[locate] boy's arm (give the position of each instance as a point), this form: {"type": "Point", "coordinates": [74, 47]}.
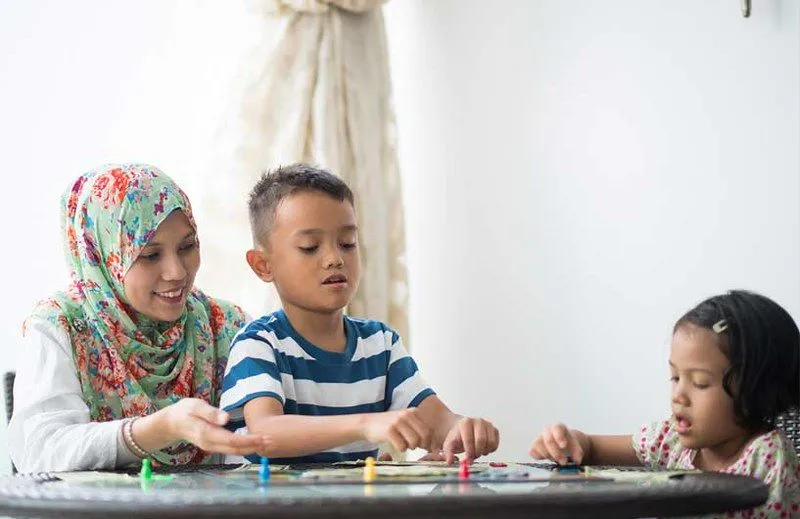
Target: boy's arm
{"type": "Point", "coordinates": [288, 436]}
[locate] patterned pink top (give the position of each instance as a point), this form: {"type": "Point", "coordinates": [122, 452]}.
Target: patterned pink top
{"type": "Point", "coordinates": [769, 457]}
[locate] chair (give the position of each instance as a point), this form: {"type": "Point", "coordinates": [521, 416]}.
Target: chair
{"type": "Point", "coordinates": [8, 394]}
{"type": "Point", "coordinates": [8, 385]}
{"type": "Point", "coordinates": [789, 423]}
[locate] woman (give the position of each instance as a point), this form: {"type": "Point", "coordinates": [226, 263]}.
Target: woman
{"type": "Point", "coordinates": [128, 361]}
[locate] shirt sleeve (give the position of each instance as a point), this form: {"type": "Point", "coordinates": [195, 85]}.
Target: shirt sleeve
{"type": "Point", "coordinates": [654, 443]}
{"type": "Point", "coordinates": [252, 372]}
{"type": "Point", "coordinates": [405, 386]}
{"type": "Point", "coordinates": [771, 460]}
{"type": "Point", "coordinates": [50, 430]}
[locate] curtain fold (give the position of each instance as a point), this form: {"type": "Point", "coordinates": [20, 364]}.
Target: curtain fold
{"type": "Point", "coordinates": [317, 89]}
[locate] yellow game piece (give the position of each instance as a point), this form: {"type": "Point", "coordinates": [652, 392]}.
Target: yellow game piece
{"type": "Point", "coordinates": [369, 470]}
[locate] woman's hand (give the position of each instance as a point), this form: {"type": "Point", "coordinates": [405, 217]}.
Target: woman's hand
{"type": "Point", "coordinates": [196, 421]}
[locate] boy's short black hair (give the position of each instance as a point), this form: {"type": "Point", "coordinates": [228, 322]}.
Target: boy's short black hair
{"type": "Point", "coordinates": [762, 344]}
{"type": "Point", "coordinates": [284, 181]}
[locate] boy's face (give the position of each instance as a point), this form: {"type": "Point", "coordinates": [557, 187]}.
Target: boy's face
{"type": "Point", "coordinates": [702, 408]}
{"type": "Point", "coordinates": [311, 253]}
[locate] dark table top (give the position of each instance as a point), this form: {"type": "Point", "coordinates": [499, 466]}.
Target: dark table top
{"type": "Point", "coordinates": [517, 491]}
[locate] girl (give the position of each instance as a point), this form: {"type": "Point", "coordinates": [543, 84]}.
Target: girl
{"type": "Point", "coordinates": [735, 366]}
{"type": "Point", "coordinates": [128, 361]}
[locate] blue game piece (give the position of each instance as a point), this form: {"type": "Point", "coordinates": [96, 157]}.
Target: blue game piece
{"type": "Point", "coordinates": [570, 467]}
{"type": "Point", "coordinates": [264, 473]}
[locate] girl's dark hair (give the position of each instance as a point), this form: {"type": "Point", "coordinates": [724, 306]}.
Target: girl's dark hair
{"type": "Point", "coordinates": [762, 344]}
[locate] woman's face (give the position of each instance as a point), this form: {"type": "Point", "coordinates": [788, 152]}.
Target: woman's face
{"type": "Point", "coordinates": [160, 279]}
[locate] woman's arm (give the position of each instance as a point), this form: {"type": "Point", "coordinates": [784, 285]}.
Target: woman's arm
{"type": "Point", "coordinates": [50, 429]}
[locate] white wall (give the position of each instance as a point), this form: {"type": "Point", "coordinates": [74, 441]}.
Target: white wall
{"type": "Point", "coordinates": [578, 173]}
{"type": "Point", "coordinates": [87, 82]}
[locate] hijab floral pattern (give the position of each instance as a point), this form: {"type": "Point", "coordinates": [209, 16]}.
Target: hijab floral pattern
{"type": "Point", "coordinates": [129, 365]}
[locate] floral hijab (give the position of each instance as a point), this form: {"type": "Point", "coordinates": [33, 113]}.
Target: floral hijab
{"type": "Point", "coordinates": [129, 365]}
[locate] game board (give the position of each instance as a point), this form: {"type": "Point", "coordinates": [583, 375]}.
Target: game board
{"type": "Point", "coordinates": [351, 473]}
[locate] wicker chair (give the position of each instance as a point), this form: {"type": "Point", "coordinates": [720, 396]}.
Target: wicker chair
{"type": "Point", "coordinates": [8, 394]}
{"type": "Point", "coordinates": [789, 423]}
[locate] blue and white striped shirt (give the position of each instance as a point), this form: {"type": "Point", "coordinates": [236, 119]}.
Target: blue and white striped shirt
{"type": "Point", "coordinates": [375, 373]}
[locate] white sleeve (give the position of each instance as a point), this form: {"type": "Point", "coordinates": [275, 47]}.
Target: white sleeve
{"type": "Point", "coordinates": [50, 430]}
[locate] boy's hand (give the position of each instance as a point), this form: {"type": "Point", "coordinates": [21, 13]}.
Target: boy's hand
{"type": "Point", "coordinates": [472, 436]}
{"type": "Point", "coordinates": [402, 429]}
{"type": "Point", "coordinates": [557, 442]}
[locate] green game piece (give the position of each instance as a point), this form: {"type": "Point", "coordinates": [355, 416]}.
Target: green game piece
{"type": "Point", "coordinates": [147, 469]}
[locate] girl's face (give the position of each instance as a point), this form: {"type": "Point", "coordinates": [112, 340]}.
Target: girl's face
{"type": "Point", "coordinates": [159, 281]}
{"type": "Point", "coordinates": [703, 410]}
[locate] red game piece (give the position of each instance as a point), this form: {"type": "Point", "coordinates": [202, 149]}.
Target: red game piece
{"type": "Point", "coordinates": [463, 470]}
{"type": "Point", "coordinates": [497, 464]}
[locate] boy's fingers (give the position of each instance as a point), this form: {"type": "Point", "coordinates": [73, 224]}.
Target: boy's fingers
{"type": "Point", "coordinates": [492, 439]}
{"type": "Point", "coordinates": [422, 431]}
{"type": "Point", "coordinates": [467, 438]}
{"type": "Point", "coordinates": [409, 434]}
{"type": "Point", "coordinates": [450, 456]}
{"type": "Point", "coordinates": [451, 446]}
{"type": "Point", "coordinates": [425, 433]}
{"type": "Point", "coordinates": [397, 440]}
{"type": "Point", "coordinates": [481, 439]}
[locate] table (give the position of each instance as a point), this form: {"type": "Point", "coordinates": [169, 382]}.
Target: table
{"type": "Point", "coordinates": [220, 491]}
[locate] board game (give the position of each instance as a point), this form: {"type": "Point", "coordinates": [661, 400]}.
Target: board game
{"type": "Point", "coordinates": [248, 476]}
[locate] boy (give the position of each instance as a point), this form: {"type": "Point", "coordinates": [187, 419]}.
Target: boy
{"type": "Point", "coordinates": [317, 385]}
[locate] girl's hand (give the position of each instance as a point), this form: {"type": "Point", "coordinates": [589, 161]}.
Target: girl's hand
{"type": "Point", "coordinates": [196, 421]}
{"type": "Point", "coordinates": [557, 442]}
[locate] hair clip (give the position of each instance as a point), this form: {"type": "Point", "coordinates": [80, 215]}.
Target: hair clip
{"type": "Point", "coordinates": [720, 326]}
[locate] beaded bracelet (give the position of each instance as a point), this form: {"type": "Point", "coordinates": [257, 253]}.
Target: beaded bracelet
{"type": "Point", "coordinates": [127, 433]}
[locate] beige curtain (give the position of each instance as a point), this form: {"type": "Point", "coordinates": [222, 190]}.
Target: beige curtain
{"type": "Point", "coordinates": [317, 89]}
